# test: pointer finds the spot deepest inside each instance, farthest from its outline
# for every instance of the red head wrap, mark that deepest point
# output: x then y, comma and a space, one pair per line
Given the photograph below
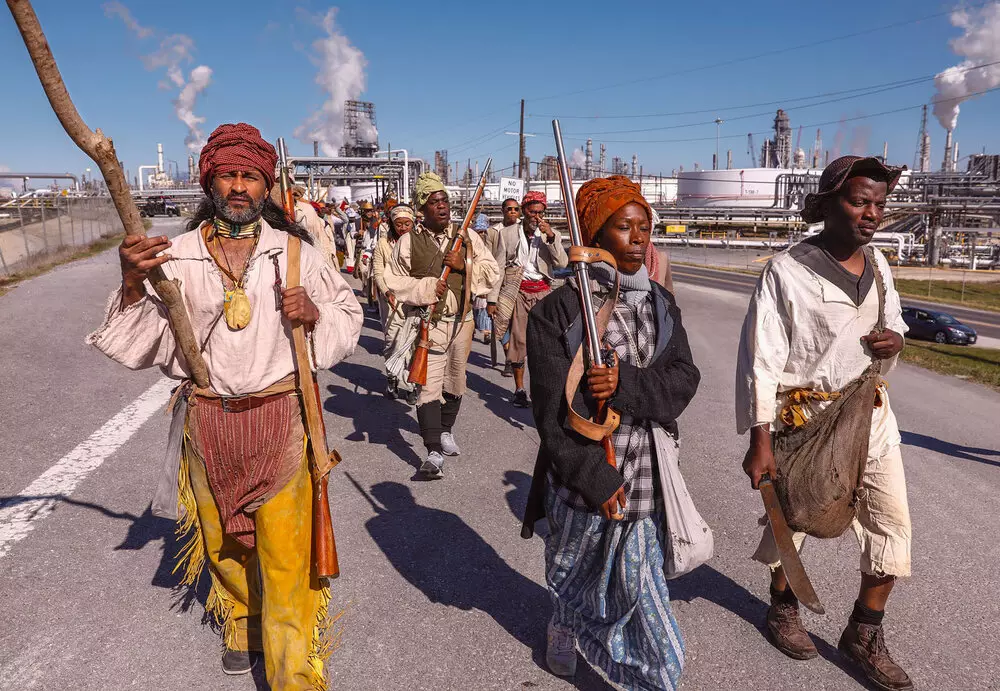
535, 196
236, 147
598, 200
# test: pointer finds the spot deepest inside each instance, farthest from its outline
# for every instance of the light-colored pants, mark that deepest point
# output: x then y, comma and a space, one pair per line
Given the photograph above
882, 523
447, 358
270, 583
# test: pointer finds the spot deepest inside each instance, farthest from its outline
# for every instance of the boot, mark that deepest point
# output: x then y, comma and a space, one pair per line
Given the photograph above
864, 644
236, 662
784, 627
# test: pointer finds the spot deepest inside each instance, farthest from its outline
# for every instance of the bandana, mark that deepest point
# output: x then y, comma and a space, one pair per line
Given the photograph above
401, 211
837, 173
231, 148
534, 196
598, 199
427, 184
482, 222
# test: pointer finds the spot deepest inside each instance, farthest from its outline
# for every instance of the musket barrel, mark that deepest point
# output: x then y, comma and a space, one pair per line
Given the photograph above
576, 238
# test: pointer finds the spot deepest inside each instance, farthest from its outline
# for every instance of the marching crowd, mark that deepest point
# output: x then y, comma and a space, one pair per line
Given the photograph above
823, 327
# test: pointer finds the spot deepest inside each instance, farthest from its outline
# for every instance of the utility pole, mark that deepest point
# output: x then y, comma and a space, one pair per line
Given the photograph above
520, 154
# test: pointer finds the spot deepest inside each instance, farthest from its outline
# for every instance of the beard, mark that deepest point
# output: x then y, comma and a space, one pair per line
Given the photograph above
247, 215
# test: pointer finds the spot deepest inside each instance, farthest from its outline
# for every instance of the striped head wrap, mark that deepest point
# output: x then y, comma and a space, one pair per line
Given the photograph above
232, 148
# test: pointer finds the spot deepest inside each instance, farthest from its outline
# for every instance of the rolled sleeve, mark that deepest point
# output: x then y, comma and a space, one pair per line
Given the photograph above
138, 336
418, 292
484, 273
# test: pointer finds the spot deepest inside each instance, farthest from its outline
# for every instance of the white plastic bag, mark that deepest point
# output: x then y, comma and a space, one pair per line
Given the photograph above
689, 539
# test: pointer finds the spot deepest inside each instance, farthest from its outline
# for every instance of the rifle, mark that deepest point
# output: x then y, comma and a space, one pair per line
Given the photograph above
606, 420
102, 150
418, 363
324, 545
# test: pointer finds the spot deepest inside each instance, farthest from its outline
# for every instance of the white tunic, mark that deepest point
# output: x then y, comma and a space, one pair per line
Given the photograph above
239, 362
802, 331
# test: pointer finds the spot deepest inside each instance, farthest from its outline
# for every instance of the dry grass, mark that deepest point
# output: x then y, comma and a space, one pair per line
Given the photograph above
980, 365
58, 259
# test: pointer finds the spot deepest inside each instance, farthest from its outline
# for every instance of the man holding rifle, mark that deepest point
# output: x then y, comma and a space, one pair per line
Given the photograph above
238, 471
413, 277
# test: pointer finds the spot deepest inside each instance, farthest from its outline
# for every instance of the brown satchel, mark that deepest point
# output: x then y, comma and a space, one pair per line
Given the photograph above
821, 462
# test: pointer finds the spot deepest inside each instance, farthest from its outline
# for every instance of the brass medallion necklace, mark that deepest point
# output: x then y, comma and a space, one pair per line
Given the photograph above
236, 304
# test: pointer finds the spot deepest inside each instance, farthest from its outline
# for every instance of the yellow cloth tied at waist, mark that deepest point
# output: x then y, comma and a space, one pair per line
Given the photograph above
796, 413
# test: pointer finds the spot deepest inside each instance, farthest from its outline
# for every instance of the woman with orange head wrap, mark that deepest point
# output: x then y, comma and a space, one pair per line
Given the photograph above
606, 575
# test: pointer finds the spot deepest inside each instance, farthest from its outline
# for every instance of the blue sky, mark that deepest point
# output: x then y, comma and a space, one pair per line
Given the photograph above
450, 75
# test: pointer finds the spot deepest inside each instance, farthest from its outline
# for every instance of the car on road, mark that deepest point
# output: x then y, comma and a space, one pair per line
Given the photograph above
159, 206
940, 327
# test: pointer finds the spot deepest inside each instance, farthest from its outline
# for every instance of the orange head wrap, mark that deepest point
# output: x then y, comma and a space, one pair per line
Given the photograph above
598, 200
236, 147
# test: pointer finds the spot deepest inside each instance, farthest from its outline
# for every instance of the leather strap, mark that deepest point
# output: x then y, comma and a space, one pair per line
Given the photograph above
589, 428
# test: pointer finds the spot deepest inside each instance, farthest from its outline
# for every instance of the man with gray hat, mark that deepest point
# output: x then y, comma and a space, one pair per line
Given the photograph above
824, 313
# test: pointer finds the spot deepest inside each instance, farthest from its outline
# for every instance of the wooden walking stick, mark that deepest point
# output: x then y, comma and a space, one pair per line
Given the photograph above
418, 363
325, 562
101, 149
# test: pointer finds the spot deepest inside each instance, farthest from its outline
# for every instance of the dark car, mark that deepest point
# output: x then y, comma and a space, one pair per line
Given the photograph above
937, 326
158, 206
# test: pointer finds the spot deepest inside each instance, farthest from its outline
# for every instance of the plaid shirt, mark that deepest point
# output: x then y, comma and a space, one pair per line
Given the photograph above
632, 328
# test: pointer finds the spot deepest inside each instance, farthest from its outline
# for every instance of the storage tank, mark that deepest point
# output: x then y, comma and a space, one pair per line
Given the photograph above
749, 187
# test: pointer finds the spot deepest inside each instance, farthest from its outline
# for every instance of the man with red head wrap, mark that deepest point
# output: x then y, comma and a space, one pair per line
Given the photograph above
236, 475
529, 251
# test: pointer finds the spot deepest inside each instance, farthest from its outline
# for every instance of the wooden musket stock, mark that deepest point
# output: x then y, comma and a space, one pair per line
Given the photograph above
324, 545
418, 363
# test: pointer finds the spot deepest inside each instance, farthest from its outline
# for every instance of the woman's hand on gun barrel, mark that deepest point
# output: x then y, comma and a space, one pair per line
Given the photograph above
603, 381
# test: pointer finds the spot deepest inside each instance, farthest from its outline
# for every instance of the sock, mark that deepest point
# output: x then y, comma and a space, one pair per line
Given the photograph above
864, 615
429, 417
449, 411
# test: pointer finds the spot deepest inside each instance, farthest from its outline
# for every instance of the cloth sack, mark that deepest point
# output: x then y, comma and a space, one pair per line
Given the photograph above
689, 542
821, 462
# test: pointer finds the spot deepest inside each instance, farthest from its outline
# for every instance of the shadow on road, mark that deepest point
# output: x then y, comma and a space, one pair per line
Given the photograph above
496, 398
376, 419
966, 453
437, 553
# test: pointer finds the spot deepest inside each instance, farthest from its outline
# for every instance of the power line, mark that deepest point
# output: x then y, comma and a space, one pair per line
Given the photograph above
886, 85
768, 53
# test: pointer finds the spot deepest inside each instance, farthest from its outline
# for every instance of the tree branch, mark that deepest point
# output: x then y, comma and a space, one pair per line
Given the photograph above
101, 149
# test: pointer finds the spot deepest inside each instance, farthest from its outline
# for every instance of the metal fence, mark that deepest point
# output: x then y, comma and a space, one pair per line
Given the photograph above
33, 230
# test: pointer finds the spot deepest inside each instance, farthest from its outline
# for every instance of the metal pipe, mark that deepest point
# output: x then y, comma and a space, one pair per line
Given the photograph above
576, 238
43, 176
141, 168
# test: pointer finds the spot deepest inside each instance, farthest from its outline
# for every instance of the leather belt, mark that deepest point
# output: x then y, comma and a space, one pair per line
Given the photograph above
241, 404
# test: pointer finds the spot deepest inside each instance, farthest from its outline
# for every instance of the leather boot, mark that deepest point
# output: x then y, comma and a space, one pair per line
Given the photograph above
864, 644
784, 627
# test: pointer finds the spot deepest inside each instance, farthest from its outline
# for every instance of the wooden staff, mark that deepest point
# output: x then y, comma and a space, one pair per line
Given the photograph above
324, 545
418, 364
101, 149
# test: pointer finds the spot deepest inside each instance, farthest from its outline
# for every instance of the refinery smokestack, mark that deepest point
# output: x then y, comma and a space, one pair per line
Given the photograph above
954, 158
635, 165
946, 163
589, 159
192, 170
885, 152
729, 160
159, 158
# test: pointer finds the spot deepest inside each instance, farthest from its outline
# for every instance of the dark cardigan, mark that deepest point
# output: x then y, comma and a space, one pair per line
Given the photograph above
659, 392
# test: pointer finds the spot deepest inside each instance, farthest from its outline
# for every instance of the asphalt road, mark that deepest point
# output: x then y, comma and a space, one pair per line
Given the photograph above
438, 589
984, 322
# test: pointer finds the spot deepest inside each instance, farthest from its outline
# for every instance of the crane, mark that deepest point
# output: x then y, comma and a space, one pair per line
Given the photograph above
750, 150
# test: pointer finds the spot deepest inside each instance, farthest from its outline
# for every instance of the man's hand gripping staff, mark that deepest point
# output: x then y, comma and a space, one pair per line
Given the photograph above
602, 377
454, 260
325, 562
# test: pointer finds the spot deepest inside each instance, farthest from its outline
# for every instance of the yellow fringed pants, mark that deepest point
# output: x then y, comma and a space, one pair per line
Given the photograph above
262, 597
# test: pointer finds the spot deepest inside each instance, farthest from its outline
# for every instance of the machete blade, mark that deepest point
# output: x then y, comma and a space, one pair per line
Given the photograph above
795, 572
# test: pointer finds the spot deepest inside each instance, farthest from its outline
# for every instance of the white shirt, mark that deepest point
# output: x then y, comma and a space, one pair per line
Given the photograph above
527, 255
802, 331
244, 361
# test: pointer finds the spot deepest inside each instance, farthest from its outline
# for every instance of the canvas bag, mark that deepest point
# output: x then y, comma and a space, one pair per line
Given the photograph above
821, 463
689, 540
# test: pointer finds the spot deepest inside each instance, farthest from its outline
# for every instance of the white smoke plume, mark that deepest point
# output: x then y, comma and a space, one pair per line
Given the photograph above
116, 9
367, 132
578, 159
341, 75
175, 52
979, 45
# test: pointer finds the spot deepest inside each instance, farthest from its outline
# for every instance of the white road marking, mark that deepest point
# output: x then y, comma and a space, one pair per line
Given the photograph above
19, 514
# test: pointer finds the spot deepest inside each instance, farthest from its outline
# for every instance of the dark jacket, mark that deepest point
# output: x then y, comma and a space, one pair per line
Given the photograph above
659, 393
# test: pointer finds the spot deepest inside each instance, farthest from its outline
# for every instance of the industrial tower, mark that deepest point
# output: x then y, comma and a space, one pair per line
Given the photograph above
360, 134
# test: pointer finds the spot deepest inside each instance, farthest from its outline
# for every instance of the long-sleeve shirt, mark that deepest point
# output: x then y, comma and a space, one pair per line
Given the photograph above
382, 256
244, 361
306, 216
481, 269
803, 331
538, 256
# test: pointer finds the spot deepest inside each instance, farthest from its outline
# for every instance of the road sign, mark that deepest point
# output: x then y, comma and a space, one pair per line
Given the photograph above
511, 188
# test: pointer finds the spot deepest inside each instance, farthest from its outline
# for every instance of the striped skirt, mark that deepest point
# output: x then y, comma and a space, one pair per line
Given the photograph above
606, 582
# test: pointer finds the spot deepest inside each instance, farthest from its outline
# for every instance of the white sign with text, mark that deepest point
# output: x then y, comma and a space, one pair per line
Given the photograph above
511, 188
